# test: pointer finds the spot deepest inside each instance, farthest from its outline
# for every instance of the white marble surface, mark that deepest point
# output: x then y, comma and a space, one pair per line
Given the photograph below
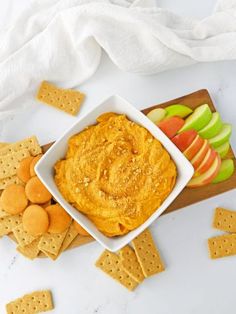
192, 283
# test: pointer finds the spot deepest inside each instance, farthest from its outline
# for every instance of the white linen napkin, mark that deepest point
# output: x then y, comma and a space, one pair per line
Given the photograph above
61, 41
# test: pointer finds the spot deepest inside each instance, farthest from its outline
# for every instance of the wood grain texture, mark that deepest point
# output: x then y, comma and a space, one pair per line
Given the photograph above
188, 196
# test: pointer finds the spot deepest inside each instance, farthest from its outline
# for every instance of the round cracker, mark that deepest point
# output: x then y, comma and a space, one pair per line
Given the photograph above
13, 199
59, 220
23, 172
33, 164
36, 192
35, 220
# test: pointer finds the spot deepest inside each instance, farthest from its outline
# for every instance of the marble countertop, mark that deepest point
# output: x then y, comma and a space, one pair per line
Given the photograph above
192, 283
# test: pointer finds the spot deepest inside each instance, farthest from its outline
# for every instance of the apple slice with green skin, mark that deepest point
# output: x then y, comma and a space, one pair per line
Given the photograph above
213, 127
221, 137
208, 176
198, 158
192, 150
170, 126
223, 149
156, 115
178, 110
225, 172
206, 163
184, 139
198, 119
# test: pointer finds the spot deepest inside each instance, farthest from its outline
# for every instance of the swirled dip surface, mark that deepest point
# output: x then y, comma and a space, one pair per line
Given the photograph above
116, 173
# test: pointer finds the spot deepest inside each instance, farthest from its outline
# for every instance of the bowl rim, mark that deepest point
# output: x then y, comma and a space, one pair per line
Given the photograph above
132, 234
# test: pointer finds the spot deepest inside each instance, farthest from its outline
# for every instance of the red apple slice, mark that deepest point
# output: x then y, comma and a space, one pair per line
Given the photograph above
207, 176
171, 126
184, 139
206, 163
194, 148
198, 158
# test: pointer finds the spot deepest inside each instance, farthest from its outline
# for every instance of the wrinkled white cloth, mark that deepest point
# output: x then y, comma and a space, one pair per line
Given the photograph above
61, 41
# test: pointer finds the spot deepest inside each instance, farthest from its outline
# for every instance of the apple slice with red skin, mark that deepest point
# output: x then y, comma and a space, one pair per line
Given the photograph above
198, 158
194, 148
170, 126
184, 139
208, 176
206, 163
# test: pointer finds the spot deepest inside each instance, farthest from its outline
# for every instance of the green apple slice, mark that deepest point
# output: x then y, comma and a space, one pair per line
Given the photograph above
156, 115
178, 110
198, 119
221, 137
223, 149
225, 172
213, 127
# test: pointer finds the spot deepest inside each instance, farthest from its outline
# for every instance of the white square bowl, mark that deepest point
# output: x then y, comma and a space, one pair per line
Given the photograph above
45, 168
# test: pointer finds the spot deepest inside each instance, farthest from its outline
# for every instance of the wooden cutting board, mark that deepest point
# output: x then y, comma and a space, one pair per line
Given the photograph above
187, 196
190, 196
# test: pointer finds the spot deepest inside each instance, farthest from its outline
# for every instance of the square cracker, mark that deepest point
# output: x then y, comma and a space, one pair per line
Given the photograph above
7, 224
31, 250
23, 237
10, 162
67, 100
36, 302
225, 220
50, 255
110, 263
52, 242
3, 213
221, 246
31, 144
70, 236
9, 180
130, 263
147, 254
3, 144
